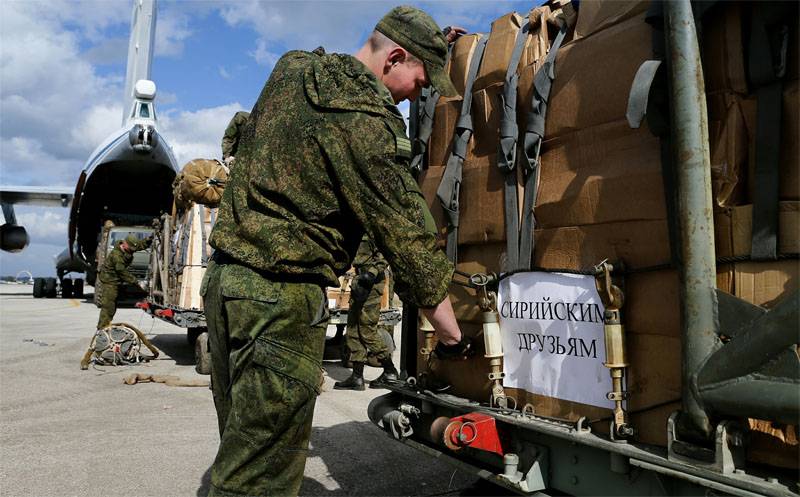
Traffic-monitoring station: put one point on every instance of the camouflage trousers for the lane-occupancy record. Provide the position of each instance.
(363, 338)
(108, 303)
(266, 340)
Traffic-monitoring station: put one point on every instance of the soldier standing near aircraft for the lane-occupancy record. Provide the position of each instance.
(230, 140)
(114, 272)
(362, 336)
(324, 160)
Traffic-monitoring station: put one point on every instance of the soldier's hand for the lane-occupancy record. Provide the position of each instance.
(460, 350)
(451, 33)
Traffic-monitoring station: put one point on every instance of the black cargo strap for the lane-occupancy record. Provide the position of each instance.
(507, 149)
(427, 106)
(448, 190)
(769, 38)
(532, 145)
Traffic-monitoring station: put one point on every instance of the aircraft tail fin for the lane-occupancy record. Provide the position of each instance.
(140, 49)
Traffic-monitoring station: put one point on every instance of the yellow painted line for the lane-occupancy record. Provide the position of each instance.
(74, 303)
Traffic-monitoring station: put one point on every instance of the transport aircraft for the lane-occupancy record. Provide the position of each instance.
(127, 180)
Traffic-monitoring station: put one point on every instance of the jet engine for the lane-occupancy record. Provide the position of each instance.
(13, 238)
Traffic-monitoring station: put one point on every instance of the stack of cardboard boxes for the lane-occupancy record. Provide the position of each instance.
(602, 195)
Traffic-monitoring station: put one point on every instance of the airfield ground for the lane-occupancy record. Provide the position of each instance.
(64, 431)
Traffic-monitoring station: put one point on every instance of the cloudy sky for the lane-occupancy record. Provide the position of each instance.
(62, 69)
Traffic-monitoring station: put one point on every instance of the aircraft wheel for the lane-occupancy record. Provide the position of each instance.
(202, 354)
(38, 288)
(50, 288)
(77, 288)
(67, 288)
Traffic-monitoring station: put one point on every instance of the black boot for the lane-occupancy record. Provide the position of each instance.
(388, 376)
(356, 380)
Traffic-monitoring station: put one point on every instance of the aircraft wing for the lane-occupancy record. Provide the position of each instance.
(48, 196)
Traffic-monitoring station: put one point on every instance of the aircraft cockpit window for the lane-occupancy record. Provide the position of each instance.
(144, 111)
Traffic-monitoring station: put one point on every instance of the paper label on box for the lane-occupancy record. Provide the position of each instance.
(552, 327)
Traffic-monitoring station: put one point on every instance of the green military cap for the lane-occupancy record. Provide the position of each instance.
(418, 33)
(131, 239)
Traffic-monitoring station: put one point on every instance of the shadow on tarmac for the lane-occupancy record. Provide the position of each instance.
(357, 471)
(176, 347)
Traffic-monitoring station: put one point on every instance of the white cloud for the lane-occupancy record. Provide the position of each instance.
(341, 26)
(199, 133)
(45, 225)
(173, 30)
(224, 72)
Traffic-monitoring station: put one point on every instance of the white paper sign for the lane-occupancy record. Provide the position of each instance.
(552, 327)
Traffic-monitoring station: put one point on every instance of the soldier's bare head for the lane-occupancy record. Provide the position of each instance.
(400, 71)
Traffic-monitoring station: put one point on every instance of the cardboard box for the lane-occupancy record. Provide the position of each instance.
(597, 16)
(594, 77)
(460, 58)
(486, 116)
(498, 51)
(481, 218)
(445, 117)
(603, 174)
(639, 244)
(788, 228)
(536, 47)
(773, 444)
(766, 283)
(723, 48)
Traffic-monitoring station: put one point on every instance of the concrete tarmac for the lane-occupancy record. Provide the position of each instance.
(67, 432)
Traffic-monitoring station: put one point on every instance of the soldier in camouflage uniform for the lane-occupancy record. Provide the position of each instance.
(324, 160)
(363, 338)
(230, 140)
(114, 272)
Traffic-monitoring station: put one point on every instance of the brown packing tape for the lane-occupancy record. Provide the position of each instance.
(729, 141)
(594, 77)
(607, 173)
(498, 50)
(597, 16)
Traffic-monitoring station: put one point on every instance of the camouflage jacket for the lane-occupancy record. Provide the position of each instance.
(230, 140)
(114, 269)
(368, 259)
(324, 160)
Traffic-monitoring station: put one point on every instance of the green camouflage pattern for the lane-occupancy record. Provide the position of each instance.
(418, 33)
(114, 269)
(108, 304)
(368, 259)
(230, 139)
(362, 337)
(318, 166)
(266, 339)
(114, 272)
